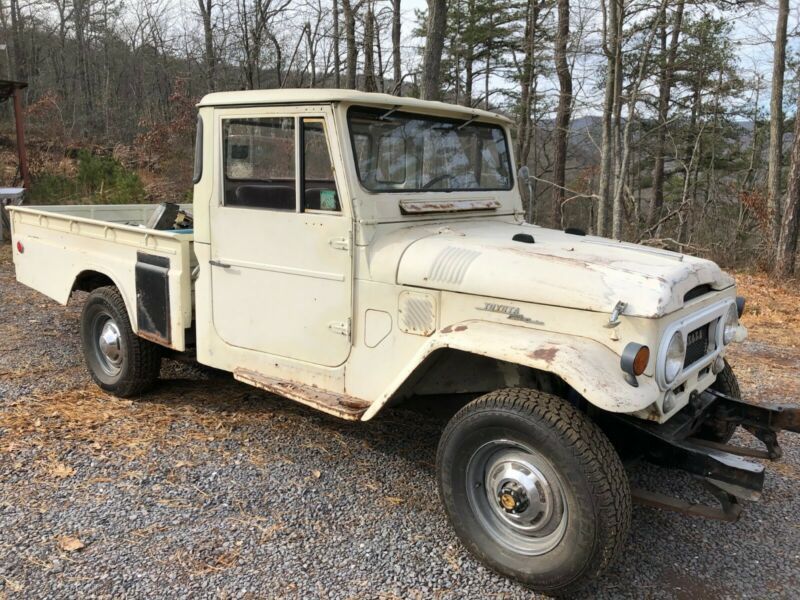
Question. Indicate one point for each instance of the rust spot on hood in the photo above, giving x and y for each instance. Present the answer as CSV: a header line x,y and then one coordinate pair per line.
x,y
546,354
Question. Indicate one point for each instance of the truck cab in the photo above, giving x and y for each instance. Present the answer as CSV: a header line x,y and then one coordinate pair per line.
x,y
351,250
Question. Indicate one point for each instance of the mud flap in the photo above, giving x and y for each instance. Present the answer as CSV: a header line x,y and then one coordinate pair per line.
x,y
152,298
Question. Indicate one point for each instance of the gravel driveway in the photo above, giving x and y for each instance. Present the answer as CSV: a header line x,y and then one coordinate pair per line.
x,y
208,487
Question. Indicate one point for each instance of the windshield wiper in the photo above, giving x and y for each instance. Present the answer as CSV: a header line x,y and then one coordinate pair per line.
x,y
389,112
465,123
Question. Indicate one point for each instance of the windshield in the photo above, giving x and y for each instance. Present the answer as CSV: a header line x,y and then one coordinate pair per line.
x,y
404,152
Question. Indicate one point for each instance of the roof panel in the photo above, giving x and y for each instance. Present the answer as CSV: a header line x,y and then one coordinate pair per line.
x,y
314,96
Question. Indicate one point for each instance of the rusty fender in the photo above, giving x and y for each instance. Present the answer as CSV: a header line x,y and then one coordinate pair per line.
x,y
589,367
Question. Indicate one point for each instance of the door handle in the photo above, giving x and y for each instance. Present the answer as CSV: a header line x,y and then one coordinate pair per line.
x,y
216,263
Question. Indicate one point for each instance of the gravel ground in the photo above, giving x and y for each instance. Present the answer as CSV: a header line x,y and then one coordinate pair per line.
x,y
208,487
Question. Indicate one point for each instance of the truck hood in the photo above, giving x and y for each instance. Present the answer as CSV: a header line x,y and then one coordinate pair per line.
x,y
559,269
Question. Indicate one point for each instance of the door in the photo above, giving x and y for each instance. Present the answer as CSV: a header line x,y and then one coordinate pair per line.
x,y
281,271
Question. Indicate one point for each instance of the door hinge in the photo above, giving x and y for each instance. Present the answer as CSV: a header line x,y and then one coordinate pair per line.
x,y
341,327
340,244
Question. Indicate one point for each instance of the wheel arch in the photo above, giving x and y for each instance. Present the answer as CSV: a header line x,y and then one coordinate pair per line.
x,y
89,280
584,365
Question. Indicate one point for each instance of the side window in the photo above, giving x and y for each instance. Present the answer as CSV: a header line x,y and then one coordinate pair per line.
x,y
258,162
319,185
198,152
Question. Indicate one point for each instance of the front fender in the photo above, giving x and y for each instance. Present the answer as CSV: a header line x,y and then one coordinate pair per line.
x,y
588,366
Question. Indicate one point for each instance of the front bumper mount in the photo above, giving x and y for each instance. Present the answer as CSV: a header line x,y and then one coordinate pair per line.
x,y
720,466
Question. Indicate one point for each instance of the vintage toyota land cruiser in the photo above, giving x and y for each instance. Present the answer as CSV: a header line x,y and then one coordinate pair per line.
x,y
350,250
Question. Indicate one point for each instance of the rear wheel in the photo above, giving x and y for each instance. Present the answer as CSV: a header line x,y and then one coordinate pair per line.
x,y
722,431
118,360
534,489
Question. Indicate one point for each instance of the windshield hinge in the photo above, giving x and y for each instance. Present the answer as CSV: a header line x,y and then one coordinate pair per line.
x,y
341,327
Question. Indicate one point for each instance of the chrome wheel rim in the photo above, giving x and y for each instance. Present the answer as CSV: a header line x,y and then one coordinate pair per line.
x,y
108,347
517,496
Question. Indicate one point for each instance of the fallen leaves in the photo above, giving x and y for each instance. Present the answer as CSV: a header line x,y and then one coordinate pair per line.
x,y
12,585
61,470
67,543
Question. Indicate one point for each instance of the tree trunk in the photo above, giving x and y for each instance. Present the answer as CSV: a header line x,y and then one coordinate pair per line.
x,y
396,64
787,241
611,49
208,36
664,92
624,161
562,112
528,75
776,121
369,51
434,45
18,67
350,40
337,62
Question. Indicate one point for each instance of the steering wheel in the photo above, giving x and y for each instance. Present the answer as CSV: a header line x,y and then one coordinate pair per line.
x,y
436,180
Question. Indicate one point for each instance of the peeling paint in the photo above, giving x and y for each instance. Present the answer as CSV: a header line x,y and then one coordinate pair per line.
x,y
556,271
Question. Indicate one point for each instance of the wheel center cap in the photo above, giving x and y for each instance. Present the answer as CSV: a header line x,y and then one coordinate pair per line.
x,y
513,498
110,342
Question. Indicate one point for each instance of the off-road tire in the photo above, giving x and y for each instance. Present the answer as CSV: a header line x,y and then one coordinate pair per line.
x,y
140,360
722,432
595,485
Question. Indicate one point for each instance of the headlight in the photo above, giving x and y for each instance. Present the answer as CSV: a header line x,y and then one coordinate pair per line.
x,y
676,353
730,325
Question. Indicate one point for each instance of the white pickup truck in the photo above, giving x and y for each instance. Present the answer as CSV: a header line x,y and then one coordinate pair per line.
x,y
352,250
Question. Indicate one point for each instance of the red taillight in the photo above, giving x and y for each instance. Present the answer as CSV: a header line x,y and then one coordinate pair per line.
x,y
20,248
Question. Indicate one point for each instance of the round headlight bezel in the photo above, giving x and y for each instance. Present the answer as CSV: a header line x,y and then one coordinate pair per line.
x,y
730,325
674,357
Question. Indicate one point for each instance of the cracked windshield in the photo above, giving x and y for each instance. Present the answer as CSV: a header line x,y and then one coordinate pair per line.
x,y
402,152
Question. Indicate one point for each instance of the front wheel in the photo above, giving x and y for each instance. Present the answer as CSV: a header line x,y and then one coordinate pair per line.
x,y
534,489
722,431
118,360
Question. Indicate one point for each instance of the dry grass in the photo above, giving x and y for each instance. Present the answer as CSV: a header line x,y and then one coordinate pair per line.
x,y
100,423
771,314
767,364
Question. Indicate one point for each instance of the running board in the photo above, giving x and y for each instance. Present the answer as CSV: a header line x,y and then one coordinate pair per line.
x,y
339,405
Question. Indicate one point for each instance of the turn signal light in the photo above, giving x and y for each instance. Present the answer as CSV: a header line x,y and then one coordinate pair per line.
x,y
20,247
634,360
640,360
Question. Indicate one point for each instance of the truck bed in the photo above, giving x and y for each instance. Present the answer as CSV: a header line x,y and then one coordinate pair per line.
x,y
60,249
